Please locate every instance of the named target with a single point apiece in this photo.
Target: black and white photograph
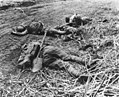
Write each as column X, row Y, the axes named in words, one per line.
column 59, row 48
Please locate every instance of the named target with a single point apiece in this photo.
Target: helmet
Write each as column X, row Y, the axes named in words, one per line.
column 20, row 28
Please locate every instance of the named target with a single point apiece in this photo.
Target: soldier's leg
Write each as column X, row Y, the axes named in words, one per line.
column 61, row 54
column 60, row 64
column 66, row 57
column 73, row 58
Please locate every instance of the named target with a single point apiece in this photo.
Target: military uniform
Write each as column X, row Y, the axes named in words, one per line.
column 52, row 57
column 37, row 28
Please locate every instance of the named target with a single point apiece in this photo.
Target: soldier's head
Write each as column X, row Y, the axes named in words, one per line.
column 35, row 27
column 76, row 19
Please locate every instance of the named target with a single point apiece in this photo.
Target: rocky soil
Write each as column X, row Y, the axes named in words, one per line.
column 58, row 83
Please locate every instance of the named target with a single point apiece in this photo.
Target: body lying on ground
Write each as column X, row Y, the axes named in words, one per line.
column 52, row 57
column 76, row 20
column 37, row 28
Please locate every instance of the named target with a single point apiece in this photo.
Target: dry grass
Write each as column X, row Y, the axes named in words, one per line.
column 103, row 81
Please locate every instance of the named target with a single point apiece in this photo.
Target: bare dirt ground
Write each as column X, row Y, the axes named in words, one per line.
column 58, row 83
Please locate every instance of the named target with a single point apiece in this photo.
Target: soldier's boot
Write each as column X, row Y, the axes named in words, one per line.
column 66, row 66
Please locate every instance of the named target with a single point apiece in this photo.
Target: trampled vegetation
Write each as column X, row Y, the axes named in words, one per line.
column 100, row 43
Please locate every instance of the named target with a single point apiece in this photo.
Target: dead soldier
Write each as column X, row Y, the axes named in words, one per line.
column 72, row 27
column 31, row 28
column 76, row 20
column 37, row 28
column 52, row 57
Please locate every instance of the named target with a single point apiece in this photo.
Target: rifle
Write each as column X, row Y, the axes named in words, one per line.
column 37, row 62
